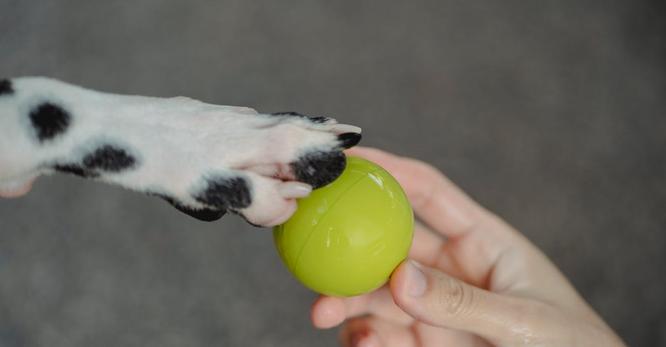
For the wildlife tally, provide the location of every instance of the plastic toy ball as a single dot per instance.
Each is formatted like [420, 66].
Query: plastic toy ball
[346, 238]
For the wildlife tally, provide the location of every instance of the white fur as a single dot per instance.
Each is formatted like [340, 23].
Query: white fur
[176, 142]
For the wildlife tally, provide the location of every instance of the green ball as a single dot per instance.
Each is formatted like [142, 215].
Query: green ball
[346, 238]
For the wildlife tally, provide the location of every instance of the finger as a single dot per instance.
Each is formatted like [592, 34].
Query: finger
[426, 245]
[431, 249]
[448, 337]
[437, 299]
[448, 211]
[328, 312]
[427, 248]
[435, 199]
[376, 332]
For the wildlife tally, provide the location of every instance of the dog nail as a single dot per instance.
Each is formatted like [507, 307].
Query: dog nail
[345, 128]
[292, 190]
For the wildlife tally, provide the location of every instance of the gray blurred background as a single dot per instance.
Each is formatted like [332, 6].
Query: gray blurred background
[551, 113]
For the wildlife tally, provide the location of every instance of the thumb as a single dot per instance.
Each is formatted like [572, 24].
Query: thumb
[438, 299]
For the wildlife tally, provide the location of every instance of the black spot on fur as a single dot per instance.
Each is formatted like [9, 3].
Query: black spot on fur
[6, 87]
[349, 140]
[109, 158]
[319, 168]
[313, 119]
[205, 214]
[49, 121]
[77, 170]
[226, 193]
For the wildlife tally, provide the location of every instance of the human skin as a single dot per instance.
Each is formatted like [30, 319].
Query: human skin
[470, 280]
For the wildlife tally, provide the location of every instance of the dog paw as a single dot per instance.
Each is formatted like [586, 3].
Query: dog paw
[278, 159]
[203, 159]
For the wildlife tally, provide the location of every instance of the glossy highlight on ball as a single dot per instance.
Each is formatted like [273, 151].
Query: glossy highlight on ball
[347, 237]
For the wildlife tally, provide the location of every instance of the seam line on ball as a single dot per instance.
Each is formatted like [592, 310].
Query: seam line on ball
[300, 252]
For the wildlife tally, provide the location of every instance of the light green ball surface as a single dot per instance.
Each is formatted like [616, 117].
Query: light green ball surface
[346, 238]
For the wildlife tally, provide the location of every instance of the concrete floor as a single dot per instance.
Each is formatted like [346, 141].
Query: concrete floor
[551, 113]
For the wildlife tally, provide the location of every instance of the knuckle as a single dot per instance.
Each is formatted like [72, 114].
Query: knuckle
[434, 181]
[423, 172]
[423, 169]
[454, 298]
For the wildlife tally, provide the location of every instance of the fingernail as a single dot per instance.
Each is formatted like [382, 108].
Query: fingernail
[295, 190]
[416, 280]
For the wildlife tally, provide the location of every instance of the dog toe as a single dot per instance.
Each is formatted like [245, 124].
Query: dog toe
[319, 168]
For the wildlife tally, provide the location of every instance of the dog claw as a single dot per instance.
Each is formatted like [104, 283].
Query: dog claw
[345, 128]
[292, 190]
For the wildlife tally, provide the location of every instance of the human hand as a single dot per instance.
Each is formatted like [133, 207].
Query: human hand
[479, 281]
